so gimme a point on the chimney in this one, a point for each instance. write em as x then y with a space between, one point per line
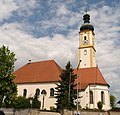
29 61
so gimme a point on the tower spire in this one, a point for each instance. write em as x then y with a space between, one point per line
86 18
86 25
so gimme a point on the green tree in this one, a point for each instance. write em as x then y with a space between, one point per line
112 101
99 105
8 89
65 90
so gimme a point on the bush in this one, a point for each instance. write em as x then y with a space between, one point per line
52 108
115 109
36 103
23 103
99 105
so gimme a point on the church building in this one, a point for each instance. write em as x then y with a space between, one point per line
40 78
93 87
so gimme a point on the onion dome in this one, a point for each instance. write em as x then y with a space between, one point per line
86 25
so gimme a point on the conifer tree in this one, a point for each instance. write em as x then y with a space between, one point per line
8 89
65 90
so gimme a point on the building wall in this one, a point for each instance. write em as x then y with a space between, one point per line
31 89
85 57
84 96
96 89
86 51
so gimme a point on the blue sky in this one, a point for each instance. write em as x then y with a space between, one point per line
49 29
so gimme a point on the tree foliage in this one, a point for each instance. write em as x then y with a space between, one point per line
65 90
112 101
8 89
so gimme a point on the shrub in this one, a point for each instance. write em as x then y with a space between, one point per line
36 103
99 105
52 108
23 102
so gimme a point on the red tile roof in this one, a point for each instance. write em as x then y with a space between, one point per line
87 76
49 71
36 72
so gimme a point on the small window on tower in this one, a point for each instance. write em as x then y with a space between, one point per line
85 52
85 38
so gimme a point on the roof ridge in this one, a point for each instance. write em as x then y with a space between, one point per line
40 61
102 75
86 68
59 68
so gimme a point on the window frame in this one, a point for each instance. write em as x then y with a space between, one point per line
52 92
24 92
37 92
91 97
103 97
85 52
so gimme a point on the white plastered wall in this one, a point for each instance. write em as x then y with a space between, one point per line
31 89
97 89
85 57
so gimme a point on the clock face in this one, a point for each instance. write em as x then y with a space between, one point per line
85 42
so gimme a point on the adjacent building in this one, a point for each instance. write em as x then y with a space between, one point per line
40 78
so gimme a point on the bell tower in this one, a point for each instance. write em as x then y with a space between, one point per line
86 50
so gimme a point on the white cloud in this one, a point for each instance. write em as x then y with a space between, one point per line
26 7
27 47
63 48
23 7
62 10
106 22
6 8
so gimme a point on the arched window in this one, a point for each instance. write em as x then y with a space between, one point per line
102 97
91 97
37 93
25 92
51 92
43 92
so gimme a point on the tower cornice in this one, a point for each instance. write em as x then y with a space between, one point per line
87 47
